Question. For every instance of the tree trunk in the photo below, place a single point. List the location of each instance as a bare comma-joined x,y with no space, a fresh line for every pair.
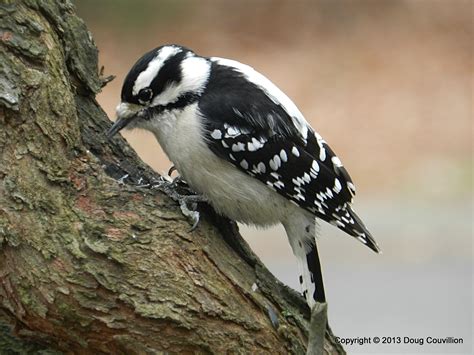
92,259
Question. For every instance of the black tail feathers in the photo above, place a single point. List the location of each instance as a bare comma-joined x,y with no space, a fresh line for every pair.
349,222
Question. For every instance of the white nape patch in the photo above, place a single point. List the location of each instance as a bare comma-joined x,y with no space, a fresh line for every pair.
271,90
238,147
244,164
145,78
216,134
195,72
295,152
336,161
337,186
283,156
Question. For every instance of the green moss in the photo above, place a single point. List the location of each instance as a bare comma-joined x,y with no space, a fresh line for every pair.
82,278
90,299
28,299
102,273
97,246
73,246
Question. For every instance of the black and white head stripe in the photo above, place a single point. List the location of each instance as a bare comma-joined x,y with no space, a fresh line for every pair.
252,125
150,73
165,74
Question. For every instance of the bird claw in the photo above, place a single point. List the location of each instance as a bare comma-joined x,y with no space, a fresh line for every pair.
187,203
177,181
171,170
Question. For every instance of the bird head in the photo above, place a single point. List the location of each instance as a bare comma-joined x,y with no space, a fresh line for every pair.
168,77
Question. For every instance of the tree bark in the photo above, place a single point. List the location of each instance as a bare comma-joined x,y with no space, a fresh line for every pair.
92,259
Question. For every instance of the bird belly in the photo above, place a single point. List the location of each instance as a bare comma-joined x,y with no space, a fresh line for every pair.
235,194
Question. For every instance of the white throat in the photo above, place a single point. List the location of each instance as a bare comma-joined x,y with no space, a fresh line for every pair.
178,131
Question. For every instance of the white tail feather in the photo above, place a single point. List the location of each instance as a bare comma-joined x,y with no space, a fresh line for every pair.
301,234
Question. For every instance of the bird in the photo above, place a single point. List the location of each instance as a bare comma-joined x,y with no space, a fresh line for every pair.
242,144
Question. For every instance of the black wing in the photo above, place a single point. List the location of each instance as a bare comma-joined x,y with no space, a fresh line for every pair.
256,134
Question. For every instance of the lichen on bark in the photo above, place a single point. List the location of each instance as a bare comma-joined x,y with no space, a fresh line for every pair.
90,264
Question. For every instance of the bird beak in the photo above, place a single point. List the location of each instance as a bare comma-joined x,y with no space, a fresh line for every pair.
126,113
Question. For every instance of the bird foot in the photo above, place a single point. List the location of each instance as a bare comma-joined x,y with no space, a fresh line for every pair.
188,205
187,202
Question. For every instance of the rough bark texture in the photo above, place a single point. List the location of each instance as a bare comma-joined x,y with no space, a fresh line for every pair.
90,263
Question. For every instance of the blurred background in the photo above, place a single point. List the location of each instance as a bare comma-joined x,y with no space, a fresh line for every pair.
389,85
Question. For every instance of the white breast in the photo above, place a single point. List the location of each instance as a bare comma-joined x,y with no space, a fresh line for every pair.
231,192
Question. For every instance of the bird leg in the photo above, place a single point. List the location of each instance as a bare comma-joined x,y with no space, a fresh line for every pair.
187,200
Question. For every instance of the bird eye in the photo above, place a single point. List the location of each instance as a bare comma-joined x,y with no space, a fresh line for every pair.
145,95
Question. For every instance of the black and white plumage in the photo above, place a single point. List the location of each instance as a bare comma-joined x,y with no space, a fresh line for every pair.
243,144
